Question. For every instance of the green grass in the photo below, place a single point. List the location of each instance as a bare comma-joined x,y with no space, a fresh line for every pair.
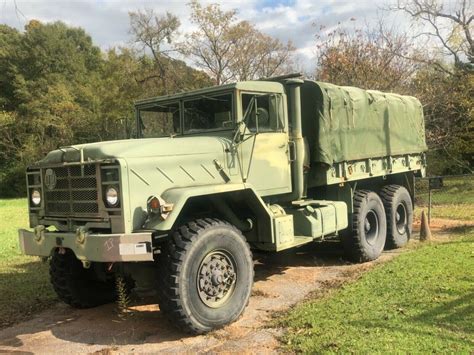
457,212
455,200
422,301
459,190
24,280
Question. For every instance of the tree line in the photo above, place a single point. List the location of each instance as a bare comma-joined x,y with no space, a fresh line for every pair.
57,88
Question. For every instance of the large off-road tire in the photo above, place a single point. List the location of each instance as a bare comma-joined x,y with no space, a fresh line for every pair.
76,286
206,275
367,238
399,212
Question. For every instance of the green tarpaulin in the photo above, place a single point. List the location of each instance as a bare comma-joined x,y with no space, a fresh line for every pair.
346,123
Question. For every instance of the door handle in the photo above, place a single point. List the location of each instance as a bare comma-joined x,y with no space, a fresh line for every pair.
292,151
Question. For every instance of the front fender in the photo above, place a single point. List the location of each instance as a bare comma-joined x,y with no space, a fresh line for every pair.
179,196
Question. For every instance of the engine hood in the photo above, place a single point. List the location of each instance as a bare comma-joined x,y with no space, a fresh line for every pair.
136,148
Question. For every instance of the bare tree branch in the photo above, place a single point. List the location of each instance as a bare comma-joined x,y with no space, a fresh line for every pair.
461,16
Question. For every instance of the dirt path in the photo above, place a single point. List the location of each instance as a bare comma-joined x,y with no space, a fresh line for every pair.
281,280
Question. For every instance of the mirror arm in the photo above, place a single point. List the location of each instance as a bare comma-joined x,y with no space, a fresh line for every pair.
238,133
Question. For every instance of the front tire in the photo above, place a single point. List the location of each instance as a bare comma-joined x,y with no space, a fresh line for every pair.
206,276
369,227
76,286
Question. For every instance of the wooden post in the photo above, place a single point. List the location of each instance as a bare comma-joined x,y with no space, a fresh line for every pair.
425,232
429,205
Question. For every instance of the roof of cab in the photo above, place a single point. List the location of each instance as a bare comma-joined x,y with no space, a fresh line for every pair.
259,86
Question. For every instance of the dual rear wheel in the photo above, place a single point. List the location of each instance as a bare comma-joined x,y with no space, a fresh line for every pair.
379,221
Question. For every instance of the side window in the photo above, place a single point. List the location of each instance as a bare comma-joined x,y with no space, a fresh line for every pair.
264,112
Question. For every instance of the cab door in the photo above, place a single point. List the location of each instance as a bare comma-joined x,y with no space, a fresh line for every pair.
264,151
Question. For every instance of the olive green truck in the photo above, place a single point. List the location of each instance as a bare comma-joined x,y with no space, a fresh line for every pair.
215,173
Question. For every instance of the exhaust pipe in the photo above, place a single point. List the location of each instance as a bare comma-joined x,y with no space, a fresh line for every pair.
296,136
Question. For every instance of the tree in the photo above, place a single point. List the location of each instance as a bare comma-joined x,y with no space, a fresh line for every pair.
449,118
211,45
47,71
9,42
257,55
451,24
154,33
366,58
228,49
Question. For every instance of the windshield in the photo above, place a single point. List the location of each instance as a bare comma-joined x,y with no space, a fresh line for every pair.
208,113
201,114
160,120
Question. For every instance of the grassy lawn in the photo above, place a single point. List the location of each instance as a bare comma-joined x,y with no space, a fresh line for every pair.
421,301
24,280
458,212
455,200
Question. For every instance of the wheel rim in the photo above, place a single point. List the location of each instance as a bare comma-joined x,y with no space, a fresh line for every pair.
371,227
216,278
401,218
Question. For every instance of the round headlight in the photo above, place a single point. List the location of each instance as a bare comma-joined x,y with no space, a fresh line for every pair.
112,197
35,197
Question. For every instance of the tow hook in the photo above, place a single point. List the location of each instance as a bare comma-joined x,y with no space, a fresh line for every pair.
81,233
39,232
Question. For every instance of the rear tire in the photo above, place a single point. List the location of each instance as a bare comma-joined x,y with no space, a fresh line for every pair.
399,212
76,286
206,276
369,227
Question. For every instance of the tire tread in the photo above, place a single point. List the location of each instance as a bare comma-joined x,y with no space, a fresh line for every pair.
65,275
388,194
170,264
353,245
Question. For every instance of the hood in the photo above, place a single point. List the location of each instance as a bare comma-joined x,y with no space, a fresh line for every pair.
137,148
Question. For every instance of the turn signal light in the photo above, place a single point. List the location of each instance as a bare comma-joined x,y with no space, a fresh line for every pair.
154,203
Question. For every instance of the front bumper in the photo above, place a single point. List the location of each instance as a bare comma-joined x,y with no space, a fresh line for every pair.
88,246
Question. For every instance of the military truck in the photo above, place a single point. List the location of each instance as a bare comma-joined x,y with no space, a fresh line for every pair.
215,173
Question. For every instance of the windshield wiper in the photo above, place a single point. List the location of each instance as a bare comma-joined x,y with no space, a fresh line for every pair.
213,98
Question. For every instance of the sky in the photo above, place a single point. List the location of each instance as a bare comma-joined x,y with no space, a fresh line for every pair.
107,21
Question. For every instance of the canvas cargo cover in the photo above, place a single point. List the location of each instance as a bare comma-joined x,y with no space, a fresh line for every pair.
346,123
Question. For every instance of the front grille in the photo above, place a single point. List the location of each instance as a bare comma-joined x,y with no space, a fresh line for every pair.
75,190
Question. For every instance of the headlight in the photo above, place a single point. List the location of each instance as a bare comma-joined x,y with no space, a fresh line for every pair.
36,197
112,196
